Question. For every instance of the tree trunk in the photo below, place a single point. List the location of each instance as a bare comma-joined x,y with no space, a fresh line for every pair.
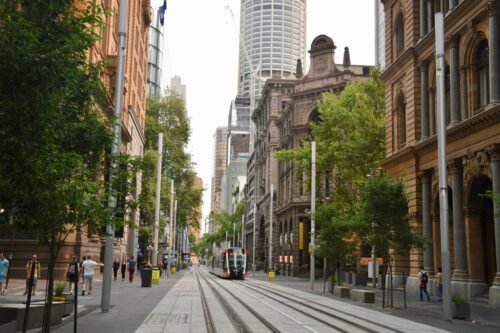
53,252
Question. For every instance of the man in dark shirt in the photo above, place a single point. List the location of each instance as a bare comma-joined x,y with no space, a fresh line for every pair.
132,264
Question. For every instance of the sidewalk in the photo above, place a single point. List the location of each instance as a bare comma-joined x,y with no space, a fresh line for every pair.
484,319
130,304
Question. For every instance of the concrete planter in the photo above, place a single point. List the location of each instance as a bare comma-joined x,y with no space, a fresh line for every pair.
460,310
68,301
15,312
343,292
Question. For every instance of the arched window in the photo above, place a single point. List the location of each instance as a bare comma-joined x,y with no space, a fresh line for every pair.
400,35
401,122
313,118
482,74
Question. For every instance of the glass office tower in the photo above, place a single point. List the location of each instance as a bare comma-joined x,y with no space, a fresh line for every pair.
272,38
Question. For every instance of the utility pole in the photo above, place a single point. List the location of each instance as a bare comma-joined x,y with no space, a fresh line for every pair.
243,230
313,208
157,202
442,161
234,234
271,230
174,234
171,217
115,151
253,237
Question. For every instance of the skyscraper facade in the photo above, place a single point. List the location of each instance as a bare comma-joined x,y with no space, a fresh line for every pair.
272,38
177,87
220,162
155,53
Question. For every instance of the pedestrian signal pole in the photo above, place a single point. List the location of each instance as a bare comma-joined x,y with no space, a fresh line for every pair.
157,202
313,208
442,161
115,151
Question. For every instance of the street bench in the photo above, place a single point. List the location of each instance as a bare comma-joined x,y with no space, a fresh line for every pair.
364,296
343,292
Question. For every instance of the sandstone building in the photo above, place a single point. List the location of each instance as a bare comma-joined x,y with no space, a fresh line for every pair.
282,119
20,245
472,95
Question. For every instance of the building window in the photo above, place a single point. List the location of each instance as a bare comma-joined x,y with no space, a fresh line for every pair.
400,35
401,122
482,73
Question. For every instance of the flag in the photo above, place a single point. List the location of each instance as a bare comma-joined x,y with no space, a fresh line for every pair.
161,12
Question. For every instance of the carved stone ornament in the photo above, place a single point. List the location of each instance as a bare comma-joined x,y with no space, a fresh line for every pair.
493,7
494,152
321,64
455,166
476,164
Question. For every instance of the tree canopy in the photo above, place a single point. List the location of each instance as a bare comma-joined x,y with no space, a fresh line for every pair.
168,115
54,134
350,139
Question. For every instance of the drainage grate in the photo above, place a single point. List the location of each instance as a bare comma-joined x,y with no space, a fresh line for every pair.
156,319
178,318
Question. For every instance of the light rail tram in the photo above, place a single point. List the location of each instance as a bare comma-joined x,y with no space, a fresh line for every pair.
229,263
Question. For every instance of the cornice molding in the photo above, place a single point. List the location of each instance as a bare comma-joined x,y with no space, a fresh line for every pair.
395,67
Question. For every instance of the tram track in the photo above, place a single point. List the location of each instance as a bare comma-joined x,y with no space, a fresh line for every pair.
359,323
206,310
231,312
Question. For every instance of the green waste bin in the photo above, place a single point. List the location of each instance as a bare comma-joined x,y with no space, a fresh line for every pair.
146,277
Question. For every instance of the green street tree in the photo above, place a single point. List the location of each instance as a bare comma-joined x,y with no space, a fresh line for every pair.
337,238
223,222
383,219
350,141
54,132
168,115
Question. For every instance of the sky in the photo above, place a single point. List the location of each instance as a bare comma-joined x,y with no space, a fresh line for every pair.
201,46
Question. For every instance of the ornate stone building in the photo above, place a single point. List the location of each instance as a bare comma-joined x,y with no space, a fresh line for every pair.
20,245
282,121
472,94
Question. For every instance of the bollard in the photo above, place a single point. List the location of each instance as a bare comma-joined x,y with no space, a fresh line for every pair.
156,276
270,275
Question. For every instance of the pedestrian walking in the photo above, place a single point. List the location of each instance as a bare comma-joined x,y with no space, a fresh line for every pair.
116,267
71,274
4,268
124,268
165,265
439,278
88,267
424,279
37,273
132,264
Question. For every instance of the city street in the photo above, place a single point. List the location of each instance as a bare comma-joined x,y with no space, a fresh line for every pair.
159,308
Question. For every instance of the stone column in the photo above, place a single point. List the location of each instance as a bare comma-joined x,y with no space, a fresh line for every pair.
424,100
495,166
456,172
427,222
463,93
454,81
494,298
494,46
423,18
432,112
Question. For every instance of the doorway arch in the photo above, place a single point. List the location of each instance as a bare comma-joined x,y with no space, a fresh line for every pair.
481,237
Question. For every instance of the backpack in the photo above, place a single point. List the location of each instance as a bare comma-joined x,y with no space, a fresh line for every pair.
424,278
71,268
